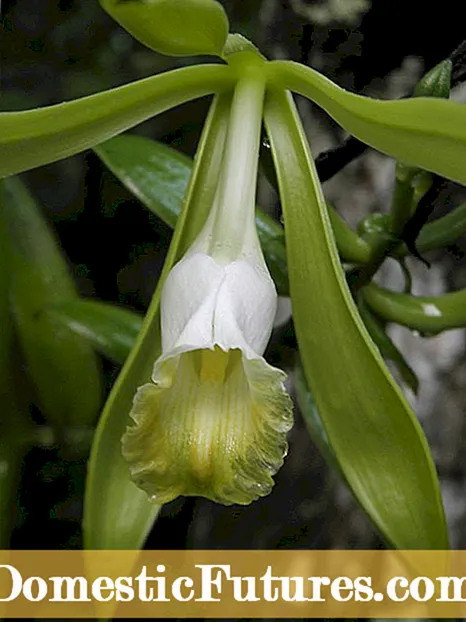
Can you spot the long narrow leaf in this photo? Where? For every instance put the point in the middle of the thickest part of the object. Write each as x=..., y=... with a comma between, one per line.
x=372, y=430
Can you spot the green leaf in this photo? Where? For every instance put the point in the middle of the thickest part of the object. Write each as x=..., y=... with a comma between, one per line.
x=117, y=514
x=181, y=28
x=110, y=330
x=10, y=454
x=426, y=132
x=155, y=173
x=62, y=367
x=371, y=428
x=31, y=138
x=436, y=82
x=427, y=314
x=158, y=176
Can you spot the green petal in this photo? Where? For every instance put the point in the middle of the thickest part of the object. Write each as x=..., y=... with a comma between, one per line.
x=213, y=424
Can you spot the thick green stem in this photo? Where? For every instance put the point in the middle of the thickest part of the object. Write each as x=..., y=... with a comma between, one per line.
x=427, y=314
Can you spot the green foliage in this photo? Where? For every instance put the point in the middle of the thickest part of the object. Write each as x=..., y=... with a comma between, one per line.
x=110, y=330
x=64, y=369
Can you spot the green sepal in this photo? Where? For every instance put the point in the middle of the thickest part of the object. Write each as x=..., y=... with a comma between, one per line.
x=31, y=138
x=63, y=368
x=371, y=428
x=110, y=330
x=174, y=28
x=428, y=133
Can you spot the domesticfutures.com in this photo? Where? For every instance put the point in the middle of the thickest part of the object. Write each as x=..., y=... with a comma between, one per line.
x=208, y=583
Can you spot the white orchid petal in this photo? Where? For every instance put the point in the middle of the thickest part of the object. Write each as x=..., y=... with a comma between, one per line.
x=204, y=304
x=247, y=297
x=188, y=301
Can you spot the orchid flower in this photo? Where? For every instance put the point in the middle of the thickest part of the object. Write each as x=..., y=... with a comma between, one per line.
x=214, y=419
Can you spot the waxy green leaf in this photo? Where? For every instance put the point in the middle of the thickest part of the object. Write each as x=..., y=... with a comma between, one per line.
x=63, y=368
x=32, y=138
x=117, y=514
x=371, y=428
x=181, y=28
x=426, y=132
x=110, y=330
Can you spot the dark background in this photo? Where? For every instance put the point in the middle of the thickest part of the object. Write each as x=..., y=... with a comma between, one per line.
x=58, y=50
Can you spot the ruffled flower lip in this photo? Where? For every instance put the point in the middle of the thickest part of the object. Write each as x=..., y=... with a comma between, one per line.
x=213, y=423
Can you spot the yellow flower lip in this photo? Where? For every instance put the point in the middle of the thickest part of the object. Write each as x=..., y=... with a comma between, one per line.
x=213, y=424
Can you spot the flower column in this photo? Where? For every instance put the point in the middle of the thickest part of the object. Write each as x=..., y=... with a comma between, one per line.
x=213, y=422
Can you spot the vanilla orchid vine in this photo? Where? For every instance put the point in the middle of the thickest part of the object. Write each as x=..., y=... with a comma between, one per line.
x=198, y=408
